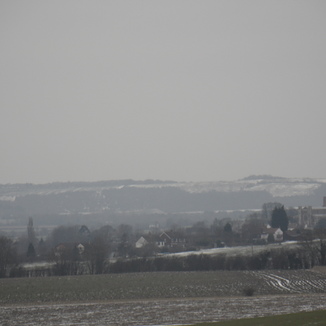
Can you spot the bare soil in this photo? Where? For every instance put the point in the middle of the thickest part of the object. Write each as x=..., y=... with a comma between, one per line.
x=159, y=299
x=159, y=312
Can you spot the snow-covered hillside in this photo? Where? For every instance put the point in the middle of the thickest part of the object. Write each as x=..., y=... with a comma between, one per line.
x=277, y=187
x=145, y=197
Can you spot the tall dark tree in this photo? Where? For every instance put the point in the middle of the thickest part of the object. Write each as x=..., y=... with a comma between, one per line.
x=31, y=231
x=42, y=249
x=7, y=255
x=280, y=218
x=228, y=228
x=268, y=208
x=96, y=254
x=31, y=254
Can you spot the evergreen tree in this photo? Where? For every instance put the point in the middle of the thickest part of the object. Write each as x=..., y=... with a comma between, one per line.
x=280, y=218
x=31, y=232
x=31, y=251
x=228, y=228
x=268, y=208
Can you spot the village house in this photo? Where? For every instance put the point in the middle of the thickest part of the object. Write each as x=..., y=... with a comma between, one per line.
x=168, y=240
x=64, y=250
x=141, y=242
x=275, y=233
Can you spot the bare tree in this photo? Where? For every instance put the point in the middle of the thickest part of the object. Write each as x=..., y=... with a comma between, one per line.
x=252, y=228
x=314, y=248
x=96, y=254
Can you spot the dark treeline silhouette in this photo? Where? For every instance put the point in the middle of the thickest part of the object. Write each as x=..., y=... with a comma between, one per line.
x=279, y=258
x=273, y=259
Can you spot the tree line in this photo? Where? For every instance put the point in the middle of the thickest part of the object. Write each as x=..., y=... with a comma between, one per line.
x=74, y=250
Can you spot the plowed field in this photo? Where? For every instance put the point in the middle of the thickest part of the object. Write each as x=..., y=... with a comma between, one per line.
x=158, y=298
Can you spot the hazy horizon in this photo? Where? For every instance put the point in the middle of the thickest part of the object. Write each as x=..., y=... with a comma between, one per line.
x=164, y=90
x=249, y=177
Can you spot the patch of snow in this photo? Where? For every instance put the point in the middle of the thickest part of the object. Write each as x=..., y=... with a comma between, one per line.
x=32, y=266
x=275, y=186
x=242, y=250
x=8, y=198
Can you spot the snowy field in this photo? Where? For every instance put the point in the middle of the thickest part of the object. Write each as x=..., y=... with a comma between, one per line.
x=239, y=250
x=159, y=298
x=159, y=312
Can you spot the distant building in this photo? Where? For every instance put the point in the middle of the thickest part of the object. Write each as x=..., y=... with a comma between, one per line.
x=309, y=216
x=170, y=240
x=277, y=234
x=163, y=240
x=141, y=242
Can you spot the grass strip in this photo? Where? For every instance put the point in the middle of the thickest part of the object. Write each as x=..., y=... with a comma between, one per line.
x=315, y=318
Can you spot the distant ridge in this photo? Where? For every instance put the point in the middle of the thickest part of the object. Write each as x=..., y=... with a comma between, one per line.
x=263, y=177
x=107, y=198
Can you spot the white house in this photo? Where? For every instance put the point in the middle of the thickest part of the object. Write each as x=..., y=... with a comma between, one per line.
x=277, y=233
x=141, y=242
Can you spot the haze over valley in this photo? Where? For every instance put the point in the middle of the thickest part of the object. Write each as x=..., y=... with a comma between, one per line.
x=140, y=203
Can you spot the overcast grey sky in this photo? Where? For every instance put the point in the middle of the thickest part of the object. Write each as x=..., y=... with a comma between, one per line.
x=173, y=90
